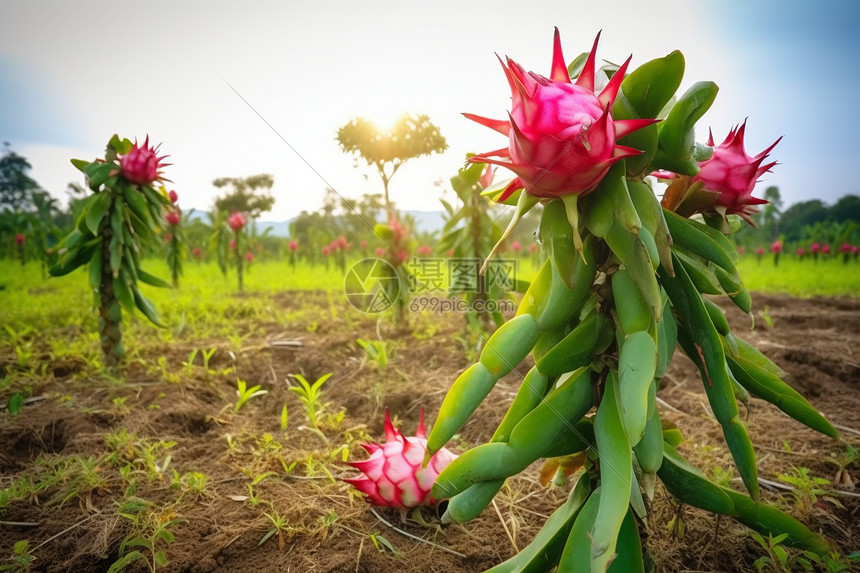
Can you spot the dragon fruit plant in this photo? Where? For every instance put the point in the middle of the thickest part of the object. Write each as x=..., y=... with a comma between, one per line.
x=776, y=249
x=237, y=221
x=293, y=246
x=395, y=474
x=116, y=223
x=20, y=243
x=623, y=282
x=176, y=241
x=470, y=232
x=399, y=246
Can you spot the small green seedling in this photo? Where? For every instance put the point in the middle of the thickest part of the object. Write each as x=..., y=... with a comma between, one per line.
x=310, y=395
x=376, y=351
x=279, y=525
x=244, y=393
x=807, y=488
x=21, y=558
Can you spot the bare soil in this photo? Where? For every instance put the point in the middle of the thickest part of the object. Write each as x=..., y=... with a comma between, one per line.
x=77, y=526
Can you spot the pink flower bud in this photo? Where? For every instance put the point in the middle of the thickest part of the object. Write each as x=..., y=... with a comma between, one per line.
x=294, y=245
x=174, y=197
x=173, y=218
x=236, y=221
x=380, y=251
x=425, y=250
x=249, y=256
x=776, y=247
x=516, y=247
x=825, y=249
x=233, y=244
x=325, y=251
x=141, y=164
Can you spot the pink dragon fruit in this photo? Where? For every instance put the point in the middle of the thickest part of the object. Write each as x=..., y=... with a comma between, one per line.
x=173, y=196
x=733, y=174
x=20, y=238
x=236, y=221
x=142, y=165
x=561, y=135
x=293, y=246
x=425, y=251
x=393, y=475
x=173, y=218
x=516, y=246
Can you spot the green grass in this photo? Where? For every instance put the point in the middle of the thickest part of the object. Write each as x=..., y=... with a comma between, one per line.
x=801, y=278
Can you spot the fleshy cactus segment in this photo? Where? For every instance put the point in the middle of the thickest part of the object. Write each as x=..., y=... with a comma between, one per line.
x=562, y=138
x=142, y=165
x=393, y=475
x=733, y=174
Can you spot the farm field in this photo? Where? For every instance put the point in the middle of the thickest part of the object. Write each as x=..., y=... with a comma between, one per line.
x=166, y=460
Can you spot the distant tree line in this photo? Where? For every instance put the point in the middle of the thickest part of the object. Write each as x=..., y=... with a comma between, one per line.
x=804, y=222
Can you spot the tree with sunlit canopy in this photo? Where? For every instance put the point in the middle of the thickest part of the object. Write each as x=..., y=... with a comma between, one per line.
x=409, y=137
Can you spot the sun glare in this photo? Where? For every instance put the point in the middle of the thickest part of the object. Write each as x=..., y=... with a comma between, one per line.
x=385, y=117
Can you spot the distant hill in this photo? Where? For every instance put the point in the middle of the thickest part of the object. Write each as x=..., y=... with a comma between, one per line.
x=427, y=221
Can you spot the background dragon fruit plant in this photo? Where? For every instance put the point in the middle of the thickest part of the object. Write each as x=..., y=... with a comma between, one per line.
x=175, y=238
x=116, y=223
x=623, y=283
x=470, y=232
x=237, y=221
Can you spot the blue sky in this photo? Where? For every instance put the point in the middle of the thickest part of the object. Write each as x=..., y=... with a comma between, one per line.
x=72, y=74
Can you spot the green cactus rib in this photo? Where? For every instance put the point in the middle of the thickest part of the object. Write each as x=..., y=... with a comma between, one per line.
x=770, y=387
x=470, y=503
x=702, y=344
x=544, y=551
x=616, y=467
x=548, y=303
x=530, y=438
x=690, y=486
